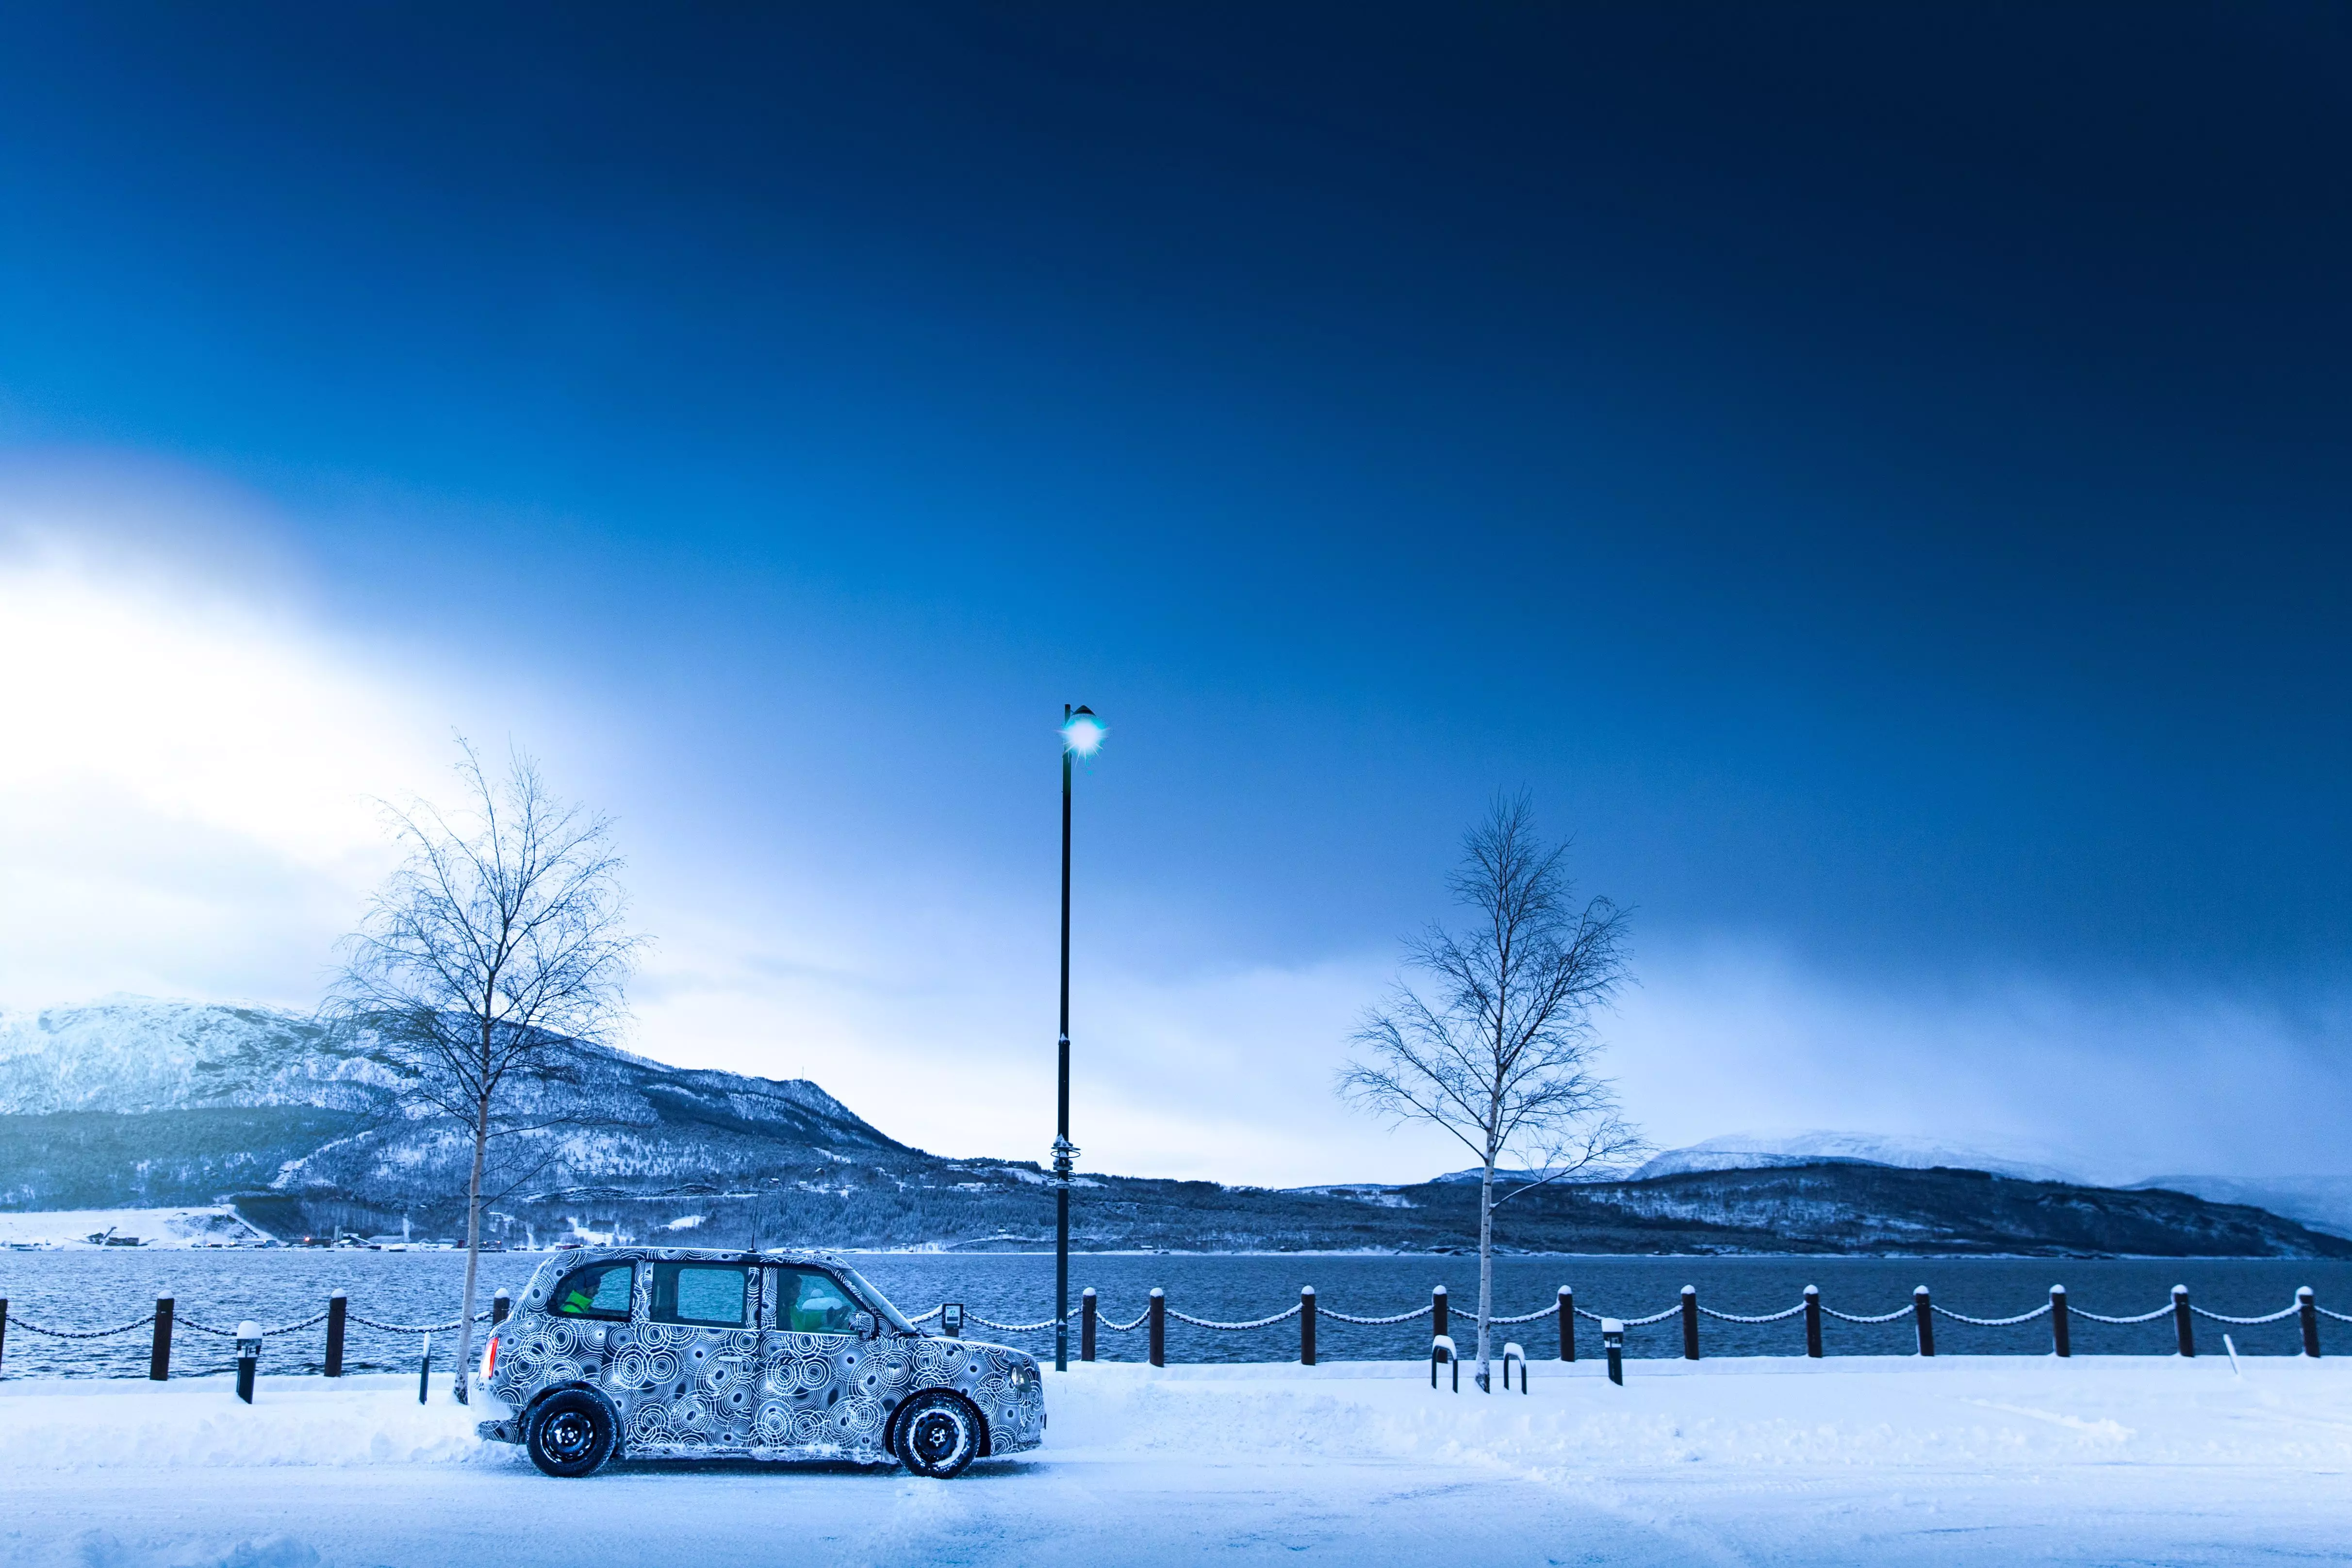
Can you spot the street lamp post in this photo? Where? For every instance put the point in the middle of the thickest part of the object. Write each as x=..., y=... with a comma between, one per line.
x=1082, y=735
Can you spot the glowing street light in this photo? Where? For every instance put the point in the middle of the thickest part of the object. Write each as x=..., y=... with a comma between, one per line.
x=1082, y=736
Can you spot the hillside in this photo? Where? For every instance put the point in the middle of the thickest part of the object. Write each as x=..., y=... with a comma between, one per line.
x=137, y=1103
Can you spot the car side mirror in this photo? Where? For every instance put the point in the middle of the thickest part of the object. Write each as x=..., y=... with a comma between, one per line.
x=863, y=1323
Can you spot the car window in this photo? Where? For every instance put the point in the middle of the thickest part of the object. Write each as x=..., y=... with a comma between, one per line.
x=705, y=1295
x=599, y=1291
x=810, y=1301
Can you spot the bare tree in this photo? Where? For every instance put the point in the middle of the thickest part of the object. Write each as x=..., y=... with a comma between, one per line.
x=1497, y=1047
x=494, y=951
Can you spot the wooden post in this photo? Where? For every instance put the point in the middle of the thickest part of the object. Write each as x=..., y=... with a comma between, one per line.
x=337, y=1307
x=1158, y=1326
x=1813, y=1321
x=1567, y=1324
x=1437, y=1310
x=159, y=1357
x=1087, y=1306
x=1690, y=1322
x=2058, y=1340
x=1923, y=1311
x=1307, y=1325
x=501, y=1305
x=2304, y=1299
x=2184, y=1328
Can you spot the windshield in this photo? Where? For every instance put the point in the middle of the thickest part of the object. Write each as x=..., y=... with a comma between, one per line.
x=881, y=1303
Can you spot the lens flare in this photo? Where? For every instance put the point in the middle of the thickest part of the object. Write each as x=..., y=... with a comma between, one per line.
x=1083, y=736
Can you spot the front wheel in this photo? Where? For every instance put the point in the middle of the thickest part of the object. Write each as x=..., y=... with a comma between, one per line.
x=939, y=1435
x=570, y=1434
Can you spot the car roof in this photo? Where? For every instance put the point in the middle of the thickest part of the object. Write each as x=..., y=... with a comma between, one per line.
x=704, y=1255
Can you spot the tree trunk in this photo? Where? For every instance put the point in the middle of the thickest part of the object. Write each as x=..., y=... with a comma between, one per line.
x=1485, y=1263
x=473, y=1246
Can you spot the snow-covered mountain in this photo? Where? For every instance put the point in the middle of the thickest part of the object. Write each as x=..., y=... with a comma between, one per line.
x=2322, y=1203
x=1765, y=1150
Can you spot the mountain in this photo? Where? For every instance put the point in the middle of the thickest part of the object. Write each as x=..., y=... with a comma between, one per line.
x=132, y=1103
x=2322, y=1203
x=1767, y=1151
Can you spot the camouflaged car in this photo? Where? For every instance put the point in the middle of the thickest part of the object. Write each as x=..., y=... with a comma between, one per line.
x=690, y=1353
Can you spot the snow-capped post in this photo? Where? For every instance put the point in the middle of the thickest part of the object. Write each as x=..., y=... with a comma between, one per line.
x=1690, y=1322
x=1497, y=1043
x=1087, y=1307
x=1158, y=1326
x=424, y=1370
x=159, y=1355
x=1441, y=1349
x=485, y=964
x=1567, y=1324
x=500, y=1305
x=1307, y=1325
x=1613, y=1339
x=2184, y=1328
x=338, y=1306
x=2304, y=1299
x=1437, y=1325
x=1813, y=1321
x=248, y=1357
x=1923, y=1312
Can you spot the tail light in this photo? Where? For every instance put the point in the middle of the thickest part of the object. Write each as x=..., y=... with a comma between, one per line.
x=490, y=1358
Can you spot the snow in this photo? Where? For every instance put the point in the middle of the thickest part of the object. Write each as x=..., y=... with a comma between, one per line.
x=153, y=1227
x=1747, y=1151
x=1954, y=1461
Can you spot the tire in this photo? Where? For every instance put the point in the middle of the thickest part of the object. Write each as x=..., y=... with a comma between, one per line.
x=569, y=1432
x=939, y=1435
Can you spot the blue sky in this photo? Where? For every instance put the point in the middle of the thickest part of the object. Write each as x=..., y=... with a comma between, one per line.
x=1878, y=481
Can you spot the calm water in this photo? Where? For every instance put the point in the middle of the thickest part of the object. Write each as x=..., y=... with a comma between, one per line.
x=97, y=1289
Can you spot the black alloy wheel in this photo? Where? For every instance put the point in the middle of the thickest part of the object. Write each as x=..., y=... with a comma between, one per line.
x=570, y=1434
x=939, y=1435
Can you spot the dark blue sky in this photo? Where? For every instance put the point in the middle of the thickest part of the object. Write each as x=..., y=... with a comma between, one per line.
x=1878, y=474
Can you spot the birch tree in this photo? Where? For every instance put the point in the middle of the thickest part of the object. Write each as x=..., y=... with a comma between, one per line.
x=495, y=951
x=1491, y=1032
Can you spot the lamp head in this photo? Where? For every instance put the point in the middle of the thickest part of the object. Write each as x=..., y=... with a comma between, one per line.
x=1083, y=734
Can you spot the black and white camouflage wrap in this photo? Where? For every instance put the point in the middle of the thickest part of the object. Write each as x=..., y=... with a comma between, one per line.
x=681, y=1392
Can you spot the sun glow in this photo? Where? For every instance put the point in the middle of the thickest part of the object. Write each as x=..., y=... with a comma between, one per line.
x=1083, y=735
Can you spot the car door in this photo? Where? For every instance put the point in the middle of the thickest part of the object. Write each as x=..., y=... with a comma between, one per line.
x=821, y=1391
x=699, y=1342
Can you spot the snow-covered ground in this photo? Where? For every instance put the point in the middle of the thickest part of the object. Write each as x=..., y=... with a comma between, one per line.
x=1957, y=1460
x=153, y=1228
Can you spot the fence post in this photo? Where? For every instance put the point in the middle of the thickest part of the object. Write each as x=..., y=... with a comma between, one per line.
x=2058, y=1340
x=337, y=1306
x=159, y=1357
x=1813, y=1321
x=1923, y=1311
x=2302, y=1298
x=1087, y=1306
x=248, y=1357
x=4, y=1325
x=1437, y=1310
x=501, y=1305
x=1567, y=1324
x=1690, y=1322
x=424, y=1370
x=1158, y=1326
x=2183, y=1327
x=1307, y=1325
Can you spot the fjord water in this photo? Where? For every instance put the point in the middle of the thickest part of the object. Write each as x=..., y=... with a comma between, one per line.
x=88, y=1289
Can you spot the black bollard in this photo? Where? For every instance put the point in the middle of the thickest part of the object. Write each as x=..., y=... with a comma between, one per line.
x=1613, y=1339
x=1437, y=1310
x=1087, y=1306
x=338, y=1308
x=1158, y=1326
x=502, y=1306
x=248, y=1357
x=2304, y=1299
x=1813, y=1321
x=1567, y=1324
x=4, y=1326
x=2184, y=1328
x=1307, y=1325
x=1690, y=1322
x=159, y=1355
x=1923, y=1311
x=424, y=1370
x=2059, y=1341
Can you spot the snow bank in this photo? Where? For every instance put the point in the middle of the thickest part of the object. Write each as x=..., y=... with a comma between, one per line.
x=153, y=1227
x=1977, y=1413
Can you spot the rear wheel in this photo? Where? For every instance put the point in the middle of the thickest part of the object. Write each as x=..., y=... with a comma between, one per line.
x=939, y=1435
x=569, y=1434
